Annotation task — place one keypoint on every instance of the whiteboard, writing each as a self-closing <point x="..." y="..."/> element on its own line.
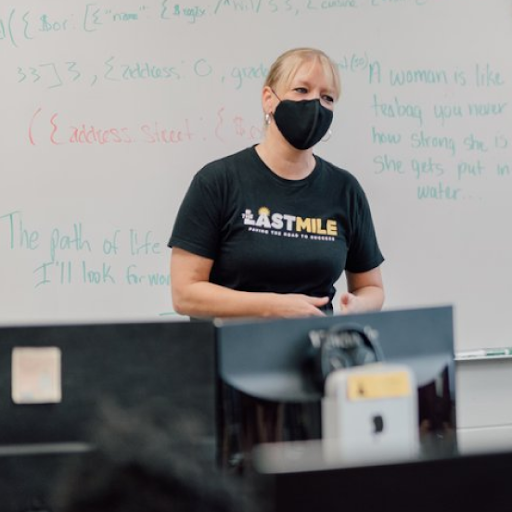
<point x="109" y="108"/>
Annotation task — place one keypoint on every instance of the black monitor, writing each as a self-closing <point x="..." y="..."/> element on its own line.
<point x="160" y="364"/>
<point x="270" y="390"/>
<point x="166" y="367"/>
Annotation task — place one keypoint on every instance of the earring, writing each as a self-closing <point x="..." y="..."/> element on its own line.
<point x="267" y="118"/>
<point x="327" y="136"/>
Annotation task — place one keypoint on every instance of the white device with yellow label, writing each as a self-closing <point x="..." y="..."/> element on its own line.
<point x="370" y="413"/>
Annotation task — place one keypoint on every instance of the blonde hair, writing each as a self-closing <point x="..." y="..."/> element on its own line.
<point x="286" y="65"/>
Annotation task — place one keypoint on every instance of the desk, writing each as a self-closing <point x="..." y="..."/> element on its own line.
<point x="479" y="482"/>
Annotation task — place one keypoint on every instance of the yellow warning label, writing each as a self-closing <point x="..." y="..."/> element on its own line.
<point x="382" y="385"/>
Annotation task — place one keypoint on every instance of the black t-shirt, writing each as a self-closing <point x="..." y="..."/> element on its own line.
<point x="269" y="234"/>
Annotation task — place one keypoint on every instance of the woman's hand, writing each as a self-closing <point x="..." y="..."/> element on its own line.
<point x="365" y="292"/>
<point x="294" y="304"/>
<point x="350" y="303"/>
<point x="193" y="294"/>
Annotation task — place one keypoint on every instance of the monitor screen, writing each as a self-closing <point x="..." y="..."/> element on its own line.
<point x="270" y="390"/>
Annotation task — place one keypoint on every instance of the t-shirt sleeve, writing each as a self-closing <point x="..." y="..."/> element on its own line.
<point x="364" y="253"/>
<point x="196" y="228"/>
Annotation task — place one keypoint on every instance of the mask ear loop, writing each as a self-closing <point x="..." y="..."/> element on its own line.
<point x="327" y="137"/>
<point x="268" y="115"/>
<point x="275" y="94"/>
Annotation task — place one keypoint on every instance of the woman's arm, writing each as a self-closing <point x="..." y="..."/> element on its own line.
<point x="195" y="296"/>
<point x="365" y="292"/>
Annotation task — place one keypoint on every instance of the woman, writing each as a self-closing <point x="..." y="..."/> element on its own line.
<point x="267" y="232"/>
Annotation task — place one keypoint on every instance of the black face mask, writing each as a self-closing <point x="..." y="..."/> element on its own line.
<point x="302" y="123"/>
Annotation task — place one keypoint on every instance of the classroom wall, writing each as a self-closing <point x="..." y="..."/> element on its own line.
<point x="109" y="108"/>
<point x="484" y="408"/>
